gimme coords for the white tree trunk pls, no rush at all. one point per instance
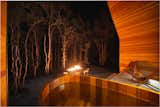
(49, 57)
(45, 52)
(36, 63)
(26, 50)
(64, 52)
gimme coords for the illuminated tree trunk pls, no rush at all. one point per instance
(16, 61)
(16, 70)
(46, 55)
(26, 49)
(102, 51)
(26, 56)
(49, 57)
(36, 58)
(64, 52)
(13, 62)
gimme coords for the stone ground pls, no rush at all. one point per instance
(99, 72)
(31, 92)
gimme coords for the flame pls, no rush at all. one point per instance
(74, 68)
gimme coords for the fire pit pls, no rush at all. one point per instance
(76, 69)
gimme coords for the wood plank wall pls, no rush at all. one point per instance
(137, 27)
(3, 52)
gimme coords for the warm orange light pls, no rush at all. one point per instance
(86, 71)
(3, 52)
(74, 68)
(65, 73)
(137, 27)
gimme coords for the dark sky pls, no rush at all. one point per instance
(89, 10)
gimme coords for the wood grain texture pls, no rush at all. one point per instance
(137, 27)
(3, 52)
(94, 86)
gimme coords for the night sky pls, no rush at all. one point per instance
(89, 11)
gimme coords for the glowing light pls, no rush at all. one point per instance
(86, 71)
(74, 68)
(77, 67)
(65, 73)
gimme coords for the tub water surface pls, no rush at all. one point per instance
(88, 91)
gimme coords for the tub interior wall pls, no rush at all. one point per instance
(89, 88)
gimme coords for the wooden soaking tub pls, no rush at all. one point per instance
(78, 90)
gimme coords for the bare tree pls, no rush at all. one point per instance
(16, 60)
(71, 33)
